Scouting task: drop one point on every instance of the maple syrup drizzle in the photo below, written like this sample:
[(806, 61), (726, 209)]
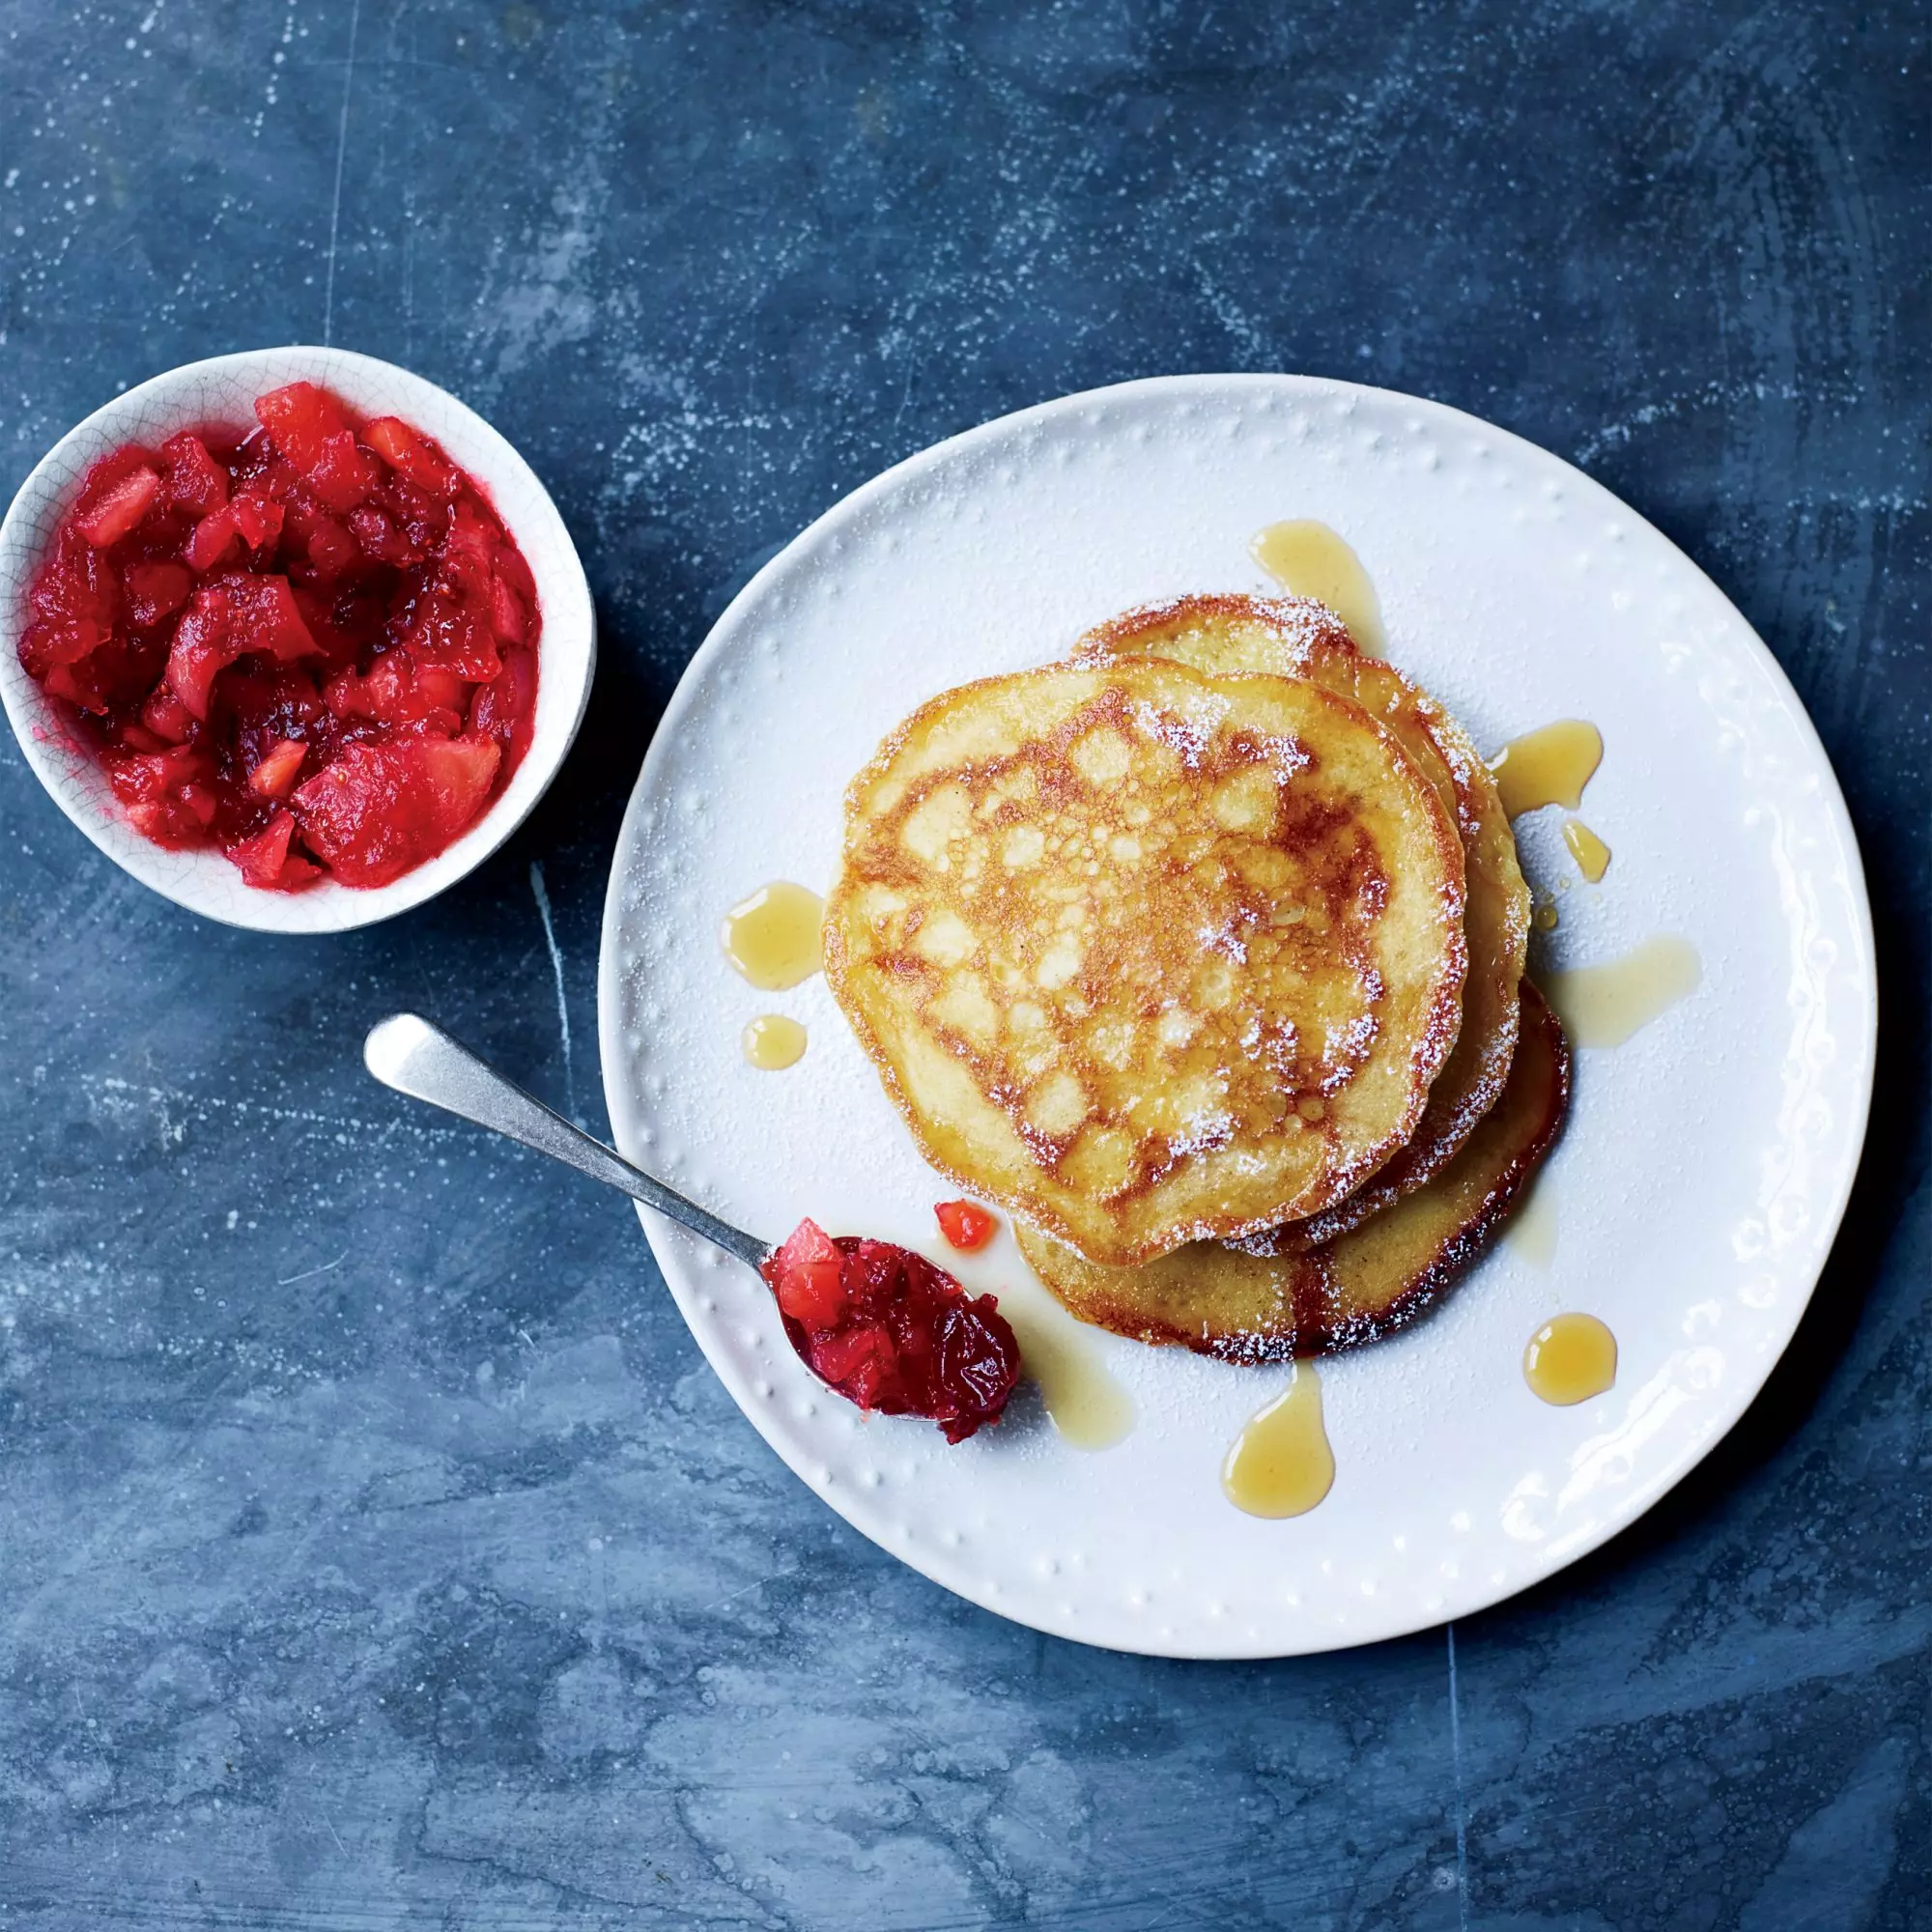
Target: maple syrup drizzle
[(1281, 1463), (1088, 1407), (773, 1042), (772, 937), (1591, 854), (1547, 766), (1569, 1359), (1531, 1230), (1308, 560), (1604, 1006)]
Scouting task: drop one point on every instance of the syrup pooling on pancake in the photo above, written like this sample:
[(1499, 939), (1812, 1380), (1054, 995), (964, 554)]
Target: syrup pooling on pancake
[(1147, 956), (1258, 1307), (1297, 637)]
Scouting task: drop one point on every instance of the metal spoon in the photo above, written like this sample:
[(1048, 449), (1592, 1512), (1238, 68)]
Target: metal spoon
[(415, 1058)]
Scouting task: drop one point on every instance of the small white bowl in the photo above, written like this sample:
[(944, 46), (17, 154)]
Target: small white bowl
[(222, 390)]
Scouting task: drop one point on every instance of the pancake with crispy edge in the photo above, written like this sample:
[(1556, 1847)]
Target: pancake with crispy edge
[(1147, 956), (1298, 638), (1242, 1307)]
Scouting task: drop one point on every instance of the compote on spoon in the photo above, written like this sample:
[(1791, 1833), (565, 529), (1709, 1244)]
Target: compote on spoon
[(876, 1323)]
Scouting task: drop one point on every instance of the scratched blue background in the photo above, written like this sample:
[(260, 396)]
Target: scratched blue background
[(375, 1548)]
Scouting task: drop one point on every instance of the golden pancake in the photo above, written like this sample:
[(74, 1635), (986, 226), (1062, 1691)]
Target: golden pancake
[(1147, 956), (1216, 1299), (1295, 638)]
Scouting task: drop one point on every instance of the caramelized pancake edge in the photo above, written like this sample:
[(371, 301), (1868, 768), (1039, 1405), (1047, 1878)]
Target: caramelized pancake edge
[(1364, 1284)]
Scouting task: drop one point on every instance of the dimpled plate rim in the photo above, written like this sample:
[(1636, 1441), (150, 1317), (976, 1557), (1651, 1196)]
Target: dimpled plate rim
[(224, 389), (1519, 589)]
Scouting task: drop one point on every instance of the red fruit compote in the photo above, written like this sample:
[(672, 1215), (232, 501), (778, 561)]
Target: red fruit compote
[(892, 1332), (311, 644)]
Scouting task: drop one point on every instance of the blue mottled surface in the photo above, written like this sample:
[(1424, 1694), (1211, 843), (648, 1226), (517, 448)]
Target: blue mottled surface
[(375, 1548)]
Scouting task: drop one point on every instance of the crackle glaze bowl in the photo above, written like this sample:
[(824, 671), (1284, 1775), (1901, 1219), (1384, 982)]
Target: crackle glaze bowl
[(223, 389)]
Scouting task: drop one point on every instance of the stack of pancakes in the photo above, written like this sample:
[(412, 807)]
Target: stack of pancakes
[(1202, 953)]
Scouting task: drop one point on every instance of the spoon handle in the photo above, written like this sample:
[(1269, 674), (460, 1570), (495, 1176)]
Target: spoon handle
[(415, 1058)]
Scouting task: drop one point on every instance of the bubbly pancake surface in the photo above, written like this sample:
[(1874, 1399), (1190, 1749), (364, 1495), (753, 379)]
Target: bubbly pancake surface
[(1295, 638), (1147, 956), (1219, 1301)]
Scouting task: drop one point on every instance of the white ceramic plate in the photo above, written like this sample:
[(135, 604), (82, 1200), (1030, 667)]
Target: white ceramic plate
[(222, 389), (1706, 1163)]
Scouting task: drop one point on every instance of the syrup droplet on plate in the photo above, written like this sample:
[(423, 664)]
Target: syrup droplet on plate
[(1604, 1006), (772, 938), (1591, 854), (1281, 1463), (773, 1042), (1308, 560), (1088, 1407), (1548, 766), (1570, 1359)]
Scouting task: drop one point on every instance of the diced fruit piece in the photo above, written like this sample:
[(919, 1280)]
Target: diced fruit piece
[(443, 689), (379, 810), (166, 716), (458, 773), (228, 620), (314, 434), (165, 794), (259, 859), (855, 1361), (265, 859), (251, 513), (196, 482), (516, 573), (299, 419), (506, 612), (59, 681), (412, 456), (966, 1225), (257, 515), (444, 631), (111, 677), (343, 475), (274, 776), (115, 512), (73, 603), (806, 1275), (203, 646), (467, 556), (211, 540), (502, 707), (332, 551), (398, 691), (265, 616), (154, 590), (383, 539), (353, 815), (104, 478)]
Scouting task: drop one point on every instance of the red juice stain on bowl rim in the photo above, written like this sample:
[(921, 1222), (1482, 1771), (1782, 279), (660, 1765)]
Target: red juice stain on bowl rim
[(311, 645)]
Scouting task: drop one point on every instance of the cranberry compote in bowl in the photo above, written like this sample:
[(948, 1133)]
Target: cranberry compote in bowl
[(292, 635)]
